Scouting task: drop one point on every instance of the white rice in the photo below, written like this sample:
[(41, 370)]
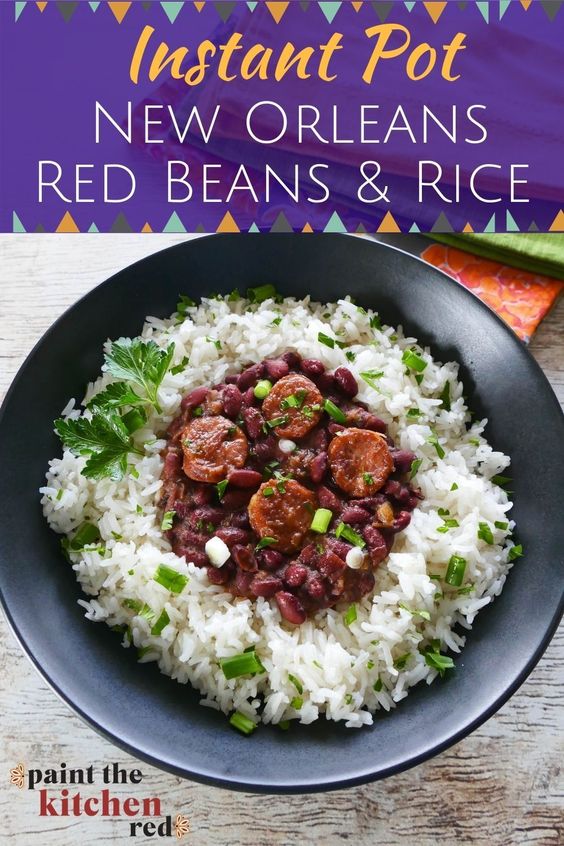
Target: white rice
[(337, 665)]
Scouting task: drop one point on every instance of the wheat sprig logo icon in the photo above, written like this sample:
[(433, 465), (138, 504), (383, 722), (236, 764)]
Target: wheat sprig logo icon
[(17, 775)]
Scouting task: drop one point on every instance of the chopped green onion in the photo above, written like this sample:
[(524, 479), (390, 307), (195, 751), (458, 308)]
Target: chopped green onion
[(414, 612), (378, 685), (284, 725), (500, 481), (261, 293), (277, 421), (215, 341), (133, 472), (349, 534), (413, 413), (263, 542), (147, 613), (234, 296), (348, 699), (466, 589), (86, 534), (400, 662), (434, 441), (375, 322), (144, 650), (443, 512), (116, 536), (268, 492), (370, 665), (321, 520), (277, 321), (515, 552), (454, 486), (501, 525), (350, 615), (183, 304), (438, 662), (178, 368), (419, 378), (368, 478), (198, 411), (244, 664), (242, 723), (413, 361), (455, 570), (334, 411), (170, 579), (351, 356), (59, 494), (445, 397), (415, 465), (297, 702), (220, 487), (262, 389), (370, 376), (485, 533), (474, 441), (167, 520), (138, 509), (296, 682), (133, 604), (449, 524), (325, 339), (163, 621)]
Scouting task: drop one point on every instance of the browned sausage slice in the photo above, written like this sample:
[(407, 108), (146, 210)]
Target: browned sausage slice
[(213, 446), (296, 401), (360, 461), (284, 514)]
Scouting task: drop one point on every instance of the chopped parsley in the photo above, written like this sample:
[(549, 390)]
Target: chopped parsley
[(296, 682), (434, 441), (368, 478), (264, 542), (167, 520), (261, 293), (178, 368), (415, 465), (434, 659), (325, 339), (445, 397), (370, 377), (350, 615), (220, 488), (515, 552)]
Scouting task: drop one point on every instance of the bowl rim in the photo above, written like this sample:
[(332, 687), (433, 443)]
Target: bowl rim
[(207, 776)]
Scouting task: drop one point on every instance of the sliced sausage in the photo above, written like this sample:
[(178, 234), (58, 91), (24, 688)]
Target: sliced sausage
[(213, 446), (360, 461), (284, 514), (300, 419)]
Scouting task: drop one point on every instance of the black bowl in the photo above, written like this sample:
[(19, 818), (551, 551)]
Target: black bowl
[(159, 720)]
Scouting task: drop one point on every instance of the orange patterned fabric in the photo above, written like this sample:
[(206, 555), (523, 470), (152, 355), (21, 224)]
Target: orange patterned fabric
[(521, 298)]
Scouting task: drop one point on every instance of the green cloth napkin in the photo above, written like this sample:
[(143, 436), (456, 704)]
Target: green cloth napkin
[(537, 252)]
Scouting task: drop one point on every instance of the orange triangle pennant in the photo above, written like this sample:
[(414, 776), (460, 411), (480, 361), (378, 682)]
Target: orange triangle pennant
[(557, 224), (526, 3), (307, 228), (228, 224), (146, 228), (357, 5), (67, 224), (120, 10), (467, 228), (199, 4), (41, 6), (388, 224), (277, 9), (435, 9)]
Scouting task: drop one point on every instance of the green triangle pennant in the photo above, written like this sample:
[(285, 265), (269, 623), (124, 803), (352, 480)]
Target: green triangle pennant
[(93, 227), (409, 4), (252, 4), (510, 223), (490, 225), (414, 228), (330, 8), (335, 224), (484, 8), (94, 5), (174, 224), (17, 225), (18, 8), (253, 228), (172, 10), (503, 7)]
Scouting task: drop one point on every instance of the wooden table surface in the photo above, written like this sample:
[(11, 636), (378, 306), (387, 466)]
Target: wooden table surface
[(502, 785)]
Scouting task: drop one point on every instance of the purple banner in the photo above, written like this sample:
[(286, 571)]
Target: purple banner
[(223, 116)]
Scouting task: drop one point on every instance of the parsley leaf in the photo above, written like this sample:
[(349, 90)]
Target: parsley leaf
[(104, 438), (116, 395), (143, 363)]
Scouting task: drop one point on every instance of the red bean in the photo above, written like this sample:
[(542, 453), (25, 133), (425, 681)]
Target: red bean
[(374, 424), (267, 448), (320, 440), (270, 559), (254, 421), (245, 478), (355, 515), (312, 367), (326, 382), (249, 398), (172, 465), (240, 519), (330, 565), (266, 586), (346, 382), (339, 547), (396, 490), (181, 509), (244, 558), (201, 494), (194, 398), (327, 499), (318, 467), (232, 400), (232, 380), (292, 358), (219, 575), (335, 428), (308, 554), (250, 376), (315, 587), (196, 556), (290, 607), (230, 535), (295, 575), (242, 583), (403, 459), (402, 521), (376, 544), (276, 368), (237, 498)]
